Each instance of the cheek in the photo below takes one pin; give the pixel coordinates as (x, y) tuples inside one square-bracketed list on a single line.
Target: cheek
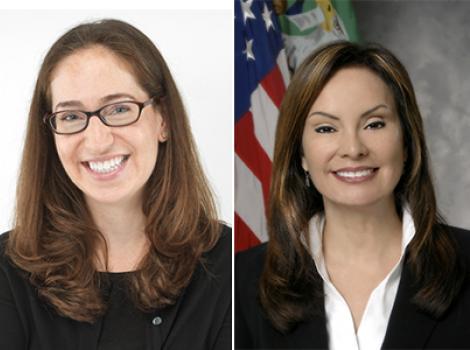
[(399, 160), (152, 149), (317, 153), (152, 126), (62, 148), (147, 143), (392, 148), (66, 149)]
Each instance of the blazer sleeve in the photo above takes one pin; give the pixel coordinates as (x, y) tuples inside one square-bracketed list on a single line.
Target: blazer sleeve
[(248, 313), (242, 335)]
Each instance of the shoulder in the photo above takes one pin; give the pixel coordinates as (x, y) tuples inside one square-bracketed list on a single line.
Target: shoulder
[(216, 263), (14, 284), (248, 268), (4, 260), (7, 267), (10, 274), (451, 331), (221, 252), (211, 286), (462, 238), (3, 241), (14, 297), (251, 259), (225, 238)]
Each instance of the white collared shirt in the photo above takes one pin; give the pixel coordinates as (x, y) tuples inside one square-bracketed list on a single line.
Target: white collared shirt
[(340, 324)]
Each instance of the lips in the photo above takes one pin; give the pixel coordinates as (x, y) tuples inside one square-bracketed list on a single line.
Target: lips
[(106, 166), (354, 175)]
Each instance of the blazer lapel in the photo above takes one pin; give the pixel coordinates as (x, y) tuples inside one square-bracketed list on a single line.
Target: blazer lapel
[(310, 334), (408, 327), (314, 334)]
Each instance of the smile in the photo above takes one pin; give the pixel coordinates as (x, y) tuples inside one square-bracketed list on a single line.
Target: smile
[(107, 166), (355, 176)]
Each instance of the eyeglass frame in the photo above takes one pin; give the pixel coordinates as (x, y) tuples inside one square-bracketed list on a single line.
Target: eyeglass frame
[(48, 116)]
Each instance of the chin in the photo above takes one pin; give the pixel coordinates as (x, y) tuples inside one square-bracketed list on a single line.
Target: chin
[(358, 201), (108, 197)]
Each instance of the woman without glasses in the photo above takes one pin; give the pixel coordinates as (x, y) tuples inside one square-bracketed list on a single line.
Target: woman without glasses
[(358, 256), (116, 243)]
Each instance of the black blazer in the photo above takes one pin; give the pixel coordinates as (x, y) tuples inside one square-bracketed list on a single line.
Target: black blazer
[(408, 328), (200, 319)]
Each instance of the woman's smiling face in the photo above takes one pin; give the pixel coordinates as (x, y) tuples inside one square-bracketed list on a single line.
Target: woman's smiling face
[(108, 164), (352, 140)]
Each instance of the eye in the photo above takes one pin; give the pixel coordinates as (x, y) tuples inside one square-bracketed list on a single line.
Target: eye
[(69, 117), (325, 129), (118, 109), (376, 125)]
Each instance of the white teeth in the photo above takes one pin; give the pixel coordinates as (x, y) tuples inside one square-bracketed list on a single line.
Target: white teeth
[(106, 166), (353, 174)]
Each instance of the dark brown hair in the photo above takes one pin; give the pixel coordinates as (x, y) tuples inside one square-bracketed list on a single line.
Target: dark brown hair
[(291, 288), (54, 238)]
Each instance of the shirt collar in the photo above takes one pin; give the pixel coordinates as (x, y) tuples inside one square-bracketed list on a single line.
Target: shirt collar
[(317, 223)]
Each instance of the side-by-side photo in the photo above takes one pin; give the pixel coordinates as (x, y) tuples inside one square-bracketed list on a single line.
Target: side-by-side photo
[(351, 210), (235, 174)]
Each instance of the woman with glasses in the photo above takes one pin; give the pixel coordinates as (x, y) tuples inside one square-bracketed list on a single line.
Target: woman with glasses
[(116, 243), (358, 256)]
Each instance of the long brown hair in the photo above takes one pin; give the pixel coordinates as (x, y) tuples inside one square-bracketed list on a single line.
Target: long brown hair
[(54, 238), (291, 288)]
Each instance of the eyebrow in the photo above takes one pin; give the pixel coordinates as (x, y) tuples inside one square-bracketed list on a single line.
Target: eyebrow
[(365, 114), (103, 100)]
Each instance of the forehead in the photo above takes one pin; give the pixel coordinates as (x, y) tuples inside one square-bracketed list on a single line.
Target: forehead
[(354, 89), (90, 74)]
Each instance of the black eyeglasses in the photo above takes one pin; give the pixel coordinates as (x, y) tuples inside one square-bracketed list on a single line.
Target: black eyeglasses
[(115, 115)]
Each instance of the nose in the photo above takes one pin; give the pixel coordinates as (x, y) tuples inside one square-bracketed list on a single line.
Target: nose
[(352, 146), (98, 137)]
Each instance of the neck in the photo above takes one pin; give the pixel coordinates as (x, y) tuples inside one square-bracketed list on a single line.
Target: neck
[(362, 233), (123, 228)]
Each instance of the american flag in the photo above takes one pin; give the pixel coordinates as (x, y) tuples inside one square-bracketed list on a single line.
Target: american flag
[(261, 77)]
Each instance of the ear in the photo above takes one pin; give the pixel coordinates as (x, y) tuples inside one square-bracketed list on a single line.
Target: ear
[(163, 131), (304, 163)]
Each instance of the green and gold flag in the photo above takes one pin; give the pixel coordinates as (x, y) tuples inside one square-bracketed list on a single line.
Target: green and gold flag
[(308, 24)]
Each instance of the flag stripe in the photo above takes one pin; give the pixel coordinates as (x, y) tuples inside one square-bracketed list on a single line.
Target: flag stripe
[(245, 238), (248, 148), (265, 121), (273, 84), (283, 67), (249, 199)]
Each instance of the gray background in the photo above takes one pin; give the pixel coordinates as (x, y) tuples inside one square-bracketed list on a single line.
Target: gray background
[(432, 39)]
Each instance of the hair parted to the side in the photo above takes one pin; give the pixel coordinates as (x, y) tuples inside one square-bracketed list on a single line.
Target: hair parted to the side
[(290, 287), (54, 238)]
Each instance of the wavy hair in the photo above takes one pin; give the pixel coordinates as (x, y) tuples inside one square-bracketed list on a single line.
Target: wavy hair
[(55, 239), (290, 287)]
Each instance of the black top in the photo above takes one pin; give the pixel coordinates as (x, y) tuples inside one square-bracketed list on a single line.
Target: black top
[(123, 326), (408, 327), (200, 319)]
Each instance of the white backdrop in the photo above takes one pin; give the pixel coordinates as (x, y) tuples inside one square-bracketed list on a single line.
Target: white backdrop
[(198, 47)]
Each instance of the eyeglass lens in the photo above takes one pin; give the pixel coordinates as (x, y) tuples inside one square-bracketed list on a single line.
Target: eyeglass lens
[(117, 114)]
